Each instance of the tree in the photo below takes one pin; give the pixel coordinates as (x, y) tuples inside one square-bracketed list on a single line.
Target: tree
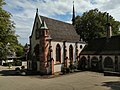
[(92, 24), (7, 32), (19, 50)]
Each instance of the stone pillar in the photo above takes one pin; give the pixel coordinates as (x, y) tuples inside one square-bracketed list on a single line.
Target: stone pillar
[(49, 57), (64, 52), (116, 63), (66, 62), (52, 69), (76, 54), (43, 55), (89, 63), (44, 48), (100, 64)]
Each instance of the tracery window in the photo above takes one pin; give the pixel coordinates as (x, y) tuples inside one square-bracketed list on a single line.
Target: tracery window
[(71, 53), (58, 53)]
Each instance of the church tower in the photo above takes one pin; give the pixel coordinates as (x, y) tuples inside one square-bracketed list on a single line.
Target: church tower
[(73, 17)]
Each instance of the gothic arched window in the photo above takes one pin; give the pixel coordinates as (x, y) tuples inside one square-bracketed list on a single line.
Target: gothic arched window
[(58, 53), (71, 53)]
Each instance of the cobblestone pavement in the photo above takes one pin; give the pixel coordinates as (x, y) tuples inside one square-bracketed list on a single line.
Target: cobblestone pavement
[(77, 81)]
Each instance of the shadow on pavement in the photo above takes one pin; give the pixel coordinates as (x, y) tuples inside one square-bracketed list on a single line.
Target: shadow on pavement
[(114, 85), (7, 72)]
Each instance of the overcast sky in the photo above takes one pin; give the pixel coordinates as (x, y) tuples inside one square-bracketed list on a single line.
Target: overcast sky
[(23, 12)]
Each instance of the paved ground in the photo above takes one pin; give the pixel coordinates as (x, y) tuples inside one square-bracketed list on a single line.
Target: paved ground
[(78, 81)]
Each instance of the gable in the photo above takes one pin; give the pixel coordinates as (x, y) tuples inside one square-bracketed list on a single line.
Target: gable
[(58, 30), (36, 21), (33, 40)]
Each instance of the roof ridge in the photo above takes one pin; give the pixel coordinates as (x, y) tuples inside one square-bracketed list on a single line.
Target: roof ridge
[(56, 20)]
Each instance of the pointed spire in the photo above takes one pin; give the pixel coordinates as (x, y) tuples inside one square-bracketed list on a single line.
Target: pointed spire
[(73, 17), (43, 25), (37, 15)]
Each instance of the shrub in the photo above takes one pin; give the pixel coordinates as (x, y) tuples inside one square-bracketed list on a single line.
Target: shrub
[(17, 68), (8, 64), (65, 70), (5, 64), (18, 63), (23, 67), (72, 67)]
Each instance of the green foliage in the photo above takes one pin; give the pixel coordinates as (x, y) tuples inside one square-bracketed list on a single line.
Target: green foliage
[(7, 33), (92, 24), (3, 51), (19, 50), (15, 63), (65, 70), (1, 3), (18, 63), (72, 67)]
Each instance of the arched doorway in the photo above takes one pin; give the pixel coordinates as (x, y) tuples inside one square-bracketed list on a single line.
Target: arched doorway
[(71, 54), (94, 64), (37, 52), (108, 63), (34, 66), (58, 53), (82, 64)]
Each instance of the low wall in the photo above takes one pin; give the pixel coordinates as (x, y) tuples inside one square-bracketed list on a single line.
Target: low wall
[(57, 67)]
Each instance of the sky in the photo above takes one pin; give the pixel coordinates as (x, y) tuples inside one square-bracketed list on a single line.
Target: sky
[(23, 12)]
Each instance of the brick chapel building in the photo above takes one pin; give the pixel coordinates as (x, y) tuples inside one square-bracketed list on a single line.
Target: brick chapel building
[(53, 45)]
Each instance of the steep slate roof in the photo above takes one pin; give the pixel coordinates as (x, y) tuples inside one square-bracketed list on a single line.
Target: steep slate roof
[(102, 46), (61, 31)]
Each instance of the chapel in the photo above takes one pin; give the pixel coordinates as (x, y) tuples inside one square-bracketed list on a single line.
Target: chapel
[(54, 45)]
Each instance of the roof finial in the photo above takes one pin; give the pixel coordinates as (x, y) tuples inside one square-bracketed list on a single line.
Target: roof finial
[(107, 17), (37, 10), (73, 17)]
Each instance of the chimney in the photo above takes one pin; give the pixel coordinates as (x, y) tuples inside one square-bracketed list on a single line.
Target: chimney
[(109, 28)]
